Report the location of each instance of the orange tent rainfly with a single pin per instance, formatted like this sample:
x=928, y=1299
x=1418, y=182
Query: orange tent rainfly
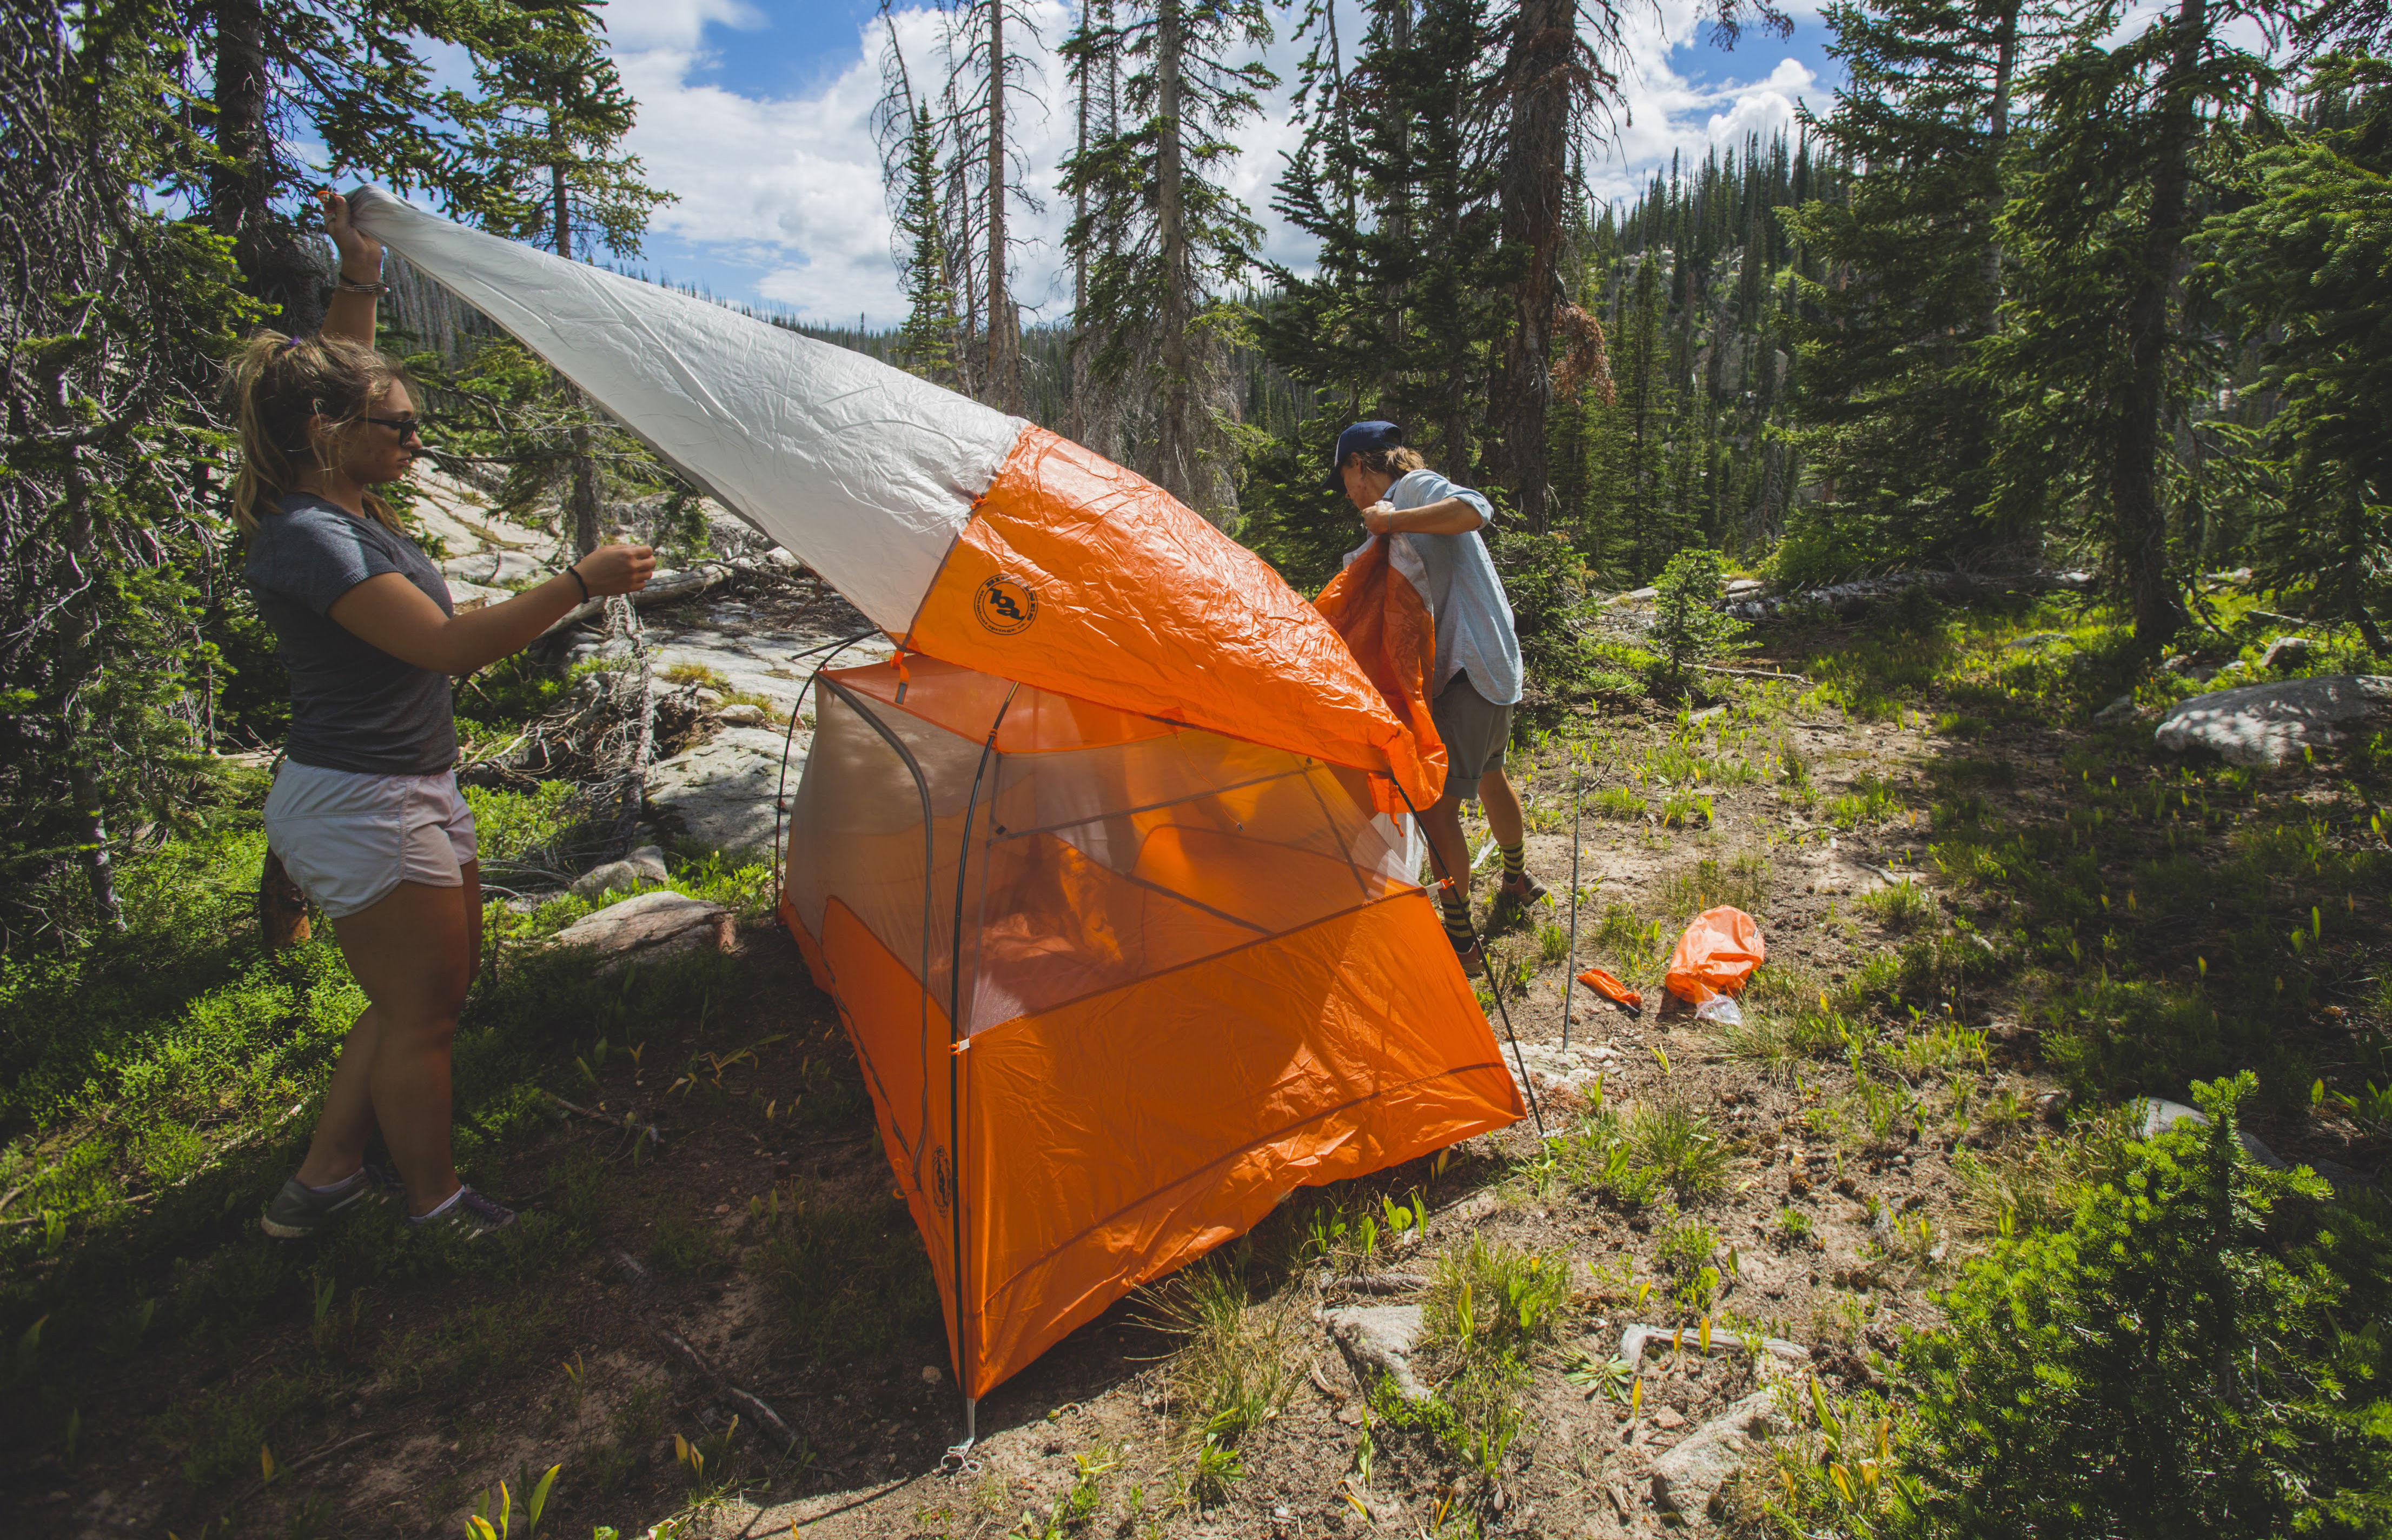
x=1102, y=874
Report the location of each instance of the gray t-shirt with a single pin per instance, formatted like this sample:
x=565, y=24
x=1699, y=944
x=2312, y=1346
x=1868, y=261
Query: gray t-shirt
x=353, y=705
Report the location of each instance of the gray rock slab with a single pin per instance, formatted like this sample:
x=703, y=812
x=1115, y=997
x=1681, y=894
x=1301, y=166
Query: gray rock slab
x=1688, y=1478
x=496, y=566
x=1379, y=1342
x=763, y=664
x=651, y=925
x=741, y=714
x=2266, y=724
x=722, y=792
x=642, y=867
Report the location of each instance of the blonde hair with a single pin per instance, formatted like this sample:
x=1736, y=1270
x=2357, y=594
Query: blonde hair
x=1397, y=462
x=298, y=400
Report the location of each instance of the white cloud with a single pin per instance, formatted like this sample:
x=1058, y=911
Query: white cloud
x=788, y=188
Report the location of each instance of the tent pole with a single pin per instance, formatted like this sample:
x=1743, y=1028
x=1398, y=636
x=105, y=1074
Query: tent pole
x=1569, y=967
x=958, y=1041
x=1495, y=985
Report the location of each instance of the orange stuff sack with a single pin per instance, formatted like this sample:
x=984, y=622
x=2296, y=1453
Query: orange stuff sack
x=1716, y=956
x=1611, y=989
x=1387, y=627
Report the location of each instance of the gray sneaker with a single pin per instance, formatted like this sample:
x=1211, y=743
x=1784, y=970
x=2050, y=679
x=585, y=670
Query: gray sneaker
x=469, y=1216
x=298, y=1209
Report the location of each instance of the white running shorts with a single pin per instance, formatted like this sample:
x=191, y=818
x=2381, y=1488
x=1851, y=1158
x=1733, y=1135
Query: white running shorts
x=348, y=838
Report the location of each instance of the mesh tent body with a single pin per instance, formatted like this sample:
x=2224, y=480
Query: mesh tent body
x=1118, y=986
x=1109, y=875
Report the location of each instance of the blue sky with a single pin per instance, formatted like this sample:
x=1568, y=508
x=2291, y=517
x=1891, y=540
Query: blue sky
x=755, y=112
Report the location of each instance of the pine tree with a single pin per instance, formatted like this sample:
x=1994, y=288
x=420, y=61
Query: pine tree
x=2303, y=267
x=1903, y=430
x=112, y=320
x=353, y=76
x=1160, y=236
x=987, y=66
x=1560, y=63
x=926, y=341
x=921, y=238
x=2101, y=354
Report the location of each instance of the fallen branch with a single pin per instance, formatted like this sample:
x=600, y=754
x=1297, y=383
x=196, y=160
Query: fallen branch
x=665, y=588
x=576, y=1106
x=1750, y=673
x=789, y=1440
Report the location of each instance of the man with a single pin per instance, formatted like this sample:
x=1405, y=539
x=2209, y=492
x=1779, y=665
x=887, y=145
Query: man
x=1476, y=681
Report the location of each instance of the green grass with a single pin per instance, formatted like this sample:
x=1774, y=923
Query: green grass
x=1741, y=881
x=1900, y=907
x=854, y=1281
x=1657, y=1147
x=1618, y=802
x=1230, y=1371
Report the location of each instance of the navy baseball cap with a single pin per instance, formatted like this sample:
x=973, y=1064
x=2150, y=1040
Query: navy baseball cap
x=1357, y=439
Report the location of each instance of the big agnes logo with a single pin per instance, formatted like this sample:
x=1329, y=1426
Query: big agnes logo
x=1004, y=606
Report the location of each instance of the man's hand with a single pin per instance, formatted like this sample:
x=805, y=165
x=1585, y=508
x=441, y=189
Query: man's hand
x=1380, y=517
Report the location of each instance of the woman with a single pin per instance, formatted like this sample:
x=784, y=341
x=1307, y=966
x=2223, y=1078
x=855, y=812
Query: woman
x=365, y=813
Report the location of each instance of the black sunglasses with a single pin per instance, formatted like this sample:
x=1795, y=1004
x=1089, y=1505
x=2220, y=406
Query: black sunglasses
x=402, y=426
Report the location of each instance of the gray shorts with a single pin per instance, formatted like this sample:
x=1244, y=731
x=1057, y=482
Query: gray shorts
x=348, y=838
x=1476, y=732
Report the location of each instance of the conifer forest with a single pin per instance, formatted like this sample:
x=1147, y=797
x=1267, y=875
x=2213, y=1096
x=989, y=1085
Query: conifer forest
x=1953, y=527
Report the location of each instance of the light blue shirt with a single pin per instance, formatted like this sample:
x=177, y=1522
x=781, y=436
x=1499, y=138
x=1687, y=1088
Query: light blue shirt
x=1457, y=578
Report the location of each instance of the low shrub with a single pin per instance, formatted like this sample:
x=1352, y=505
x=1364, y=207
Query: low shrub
x=2199, y=1351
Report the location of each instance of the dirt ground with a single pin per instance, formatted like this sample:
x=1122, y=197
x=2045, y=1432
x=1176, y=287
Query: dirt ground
x=627, y=1362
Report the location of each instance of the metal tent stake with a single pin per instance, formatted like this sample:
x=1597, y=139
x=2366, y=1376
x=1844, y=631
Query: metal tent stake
x=1570, y=964
x=1495, y=985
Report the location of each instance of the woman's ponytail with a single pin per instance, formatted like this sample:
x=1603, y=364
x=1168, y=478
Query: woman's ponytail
x=295, y=400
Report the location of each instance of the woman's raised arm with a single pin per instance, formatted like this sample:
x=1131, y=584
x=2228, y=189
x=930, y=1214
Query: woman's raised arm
x=351, y=314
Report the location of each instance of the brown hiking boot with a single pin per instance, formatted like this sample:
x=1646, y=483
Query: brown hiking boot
x=1522, y=891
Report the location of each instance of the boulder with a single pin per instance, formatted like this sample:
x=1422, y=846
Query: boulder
x=647, y=927
x=722, y=792
x=2117, y=710
x=2159, y=1116
x=642, y=868
x=742, y=714
x=2287, y=651
x=2266, y=724
x=1687, y=1479
x=1378, y=1343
